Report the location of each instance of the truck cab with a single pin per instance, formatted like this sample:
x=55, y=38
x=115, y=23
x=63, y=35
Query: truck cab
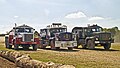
x=92, y=36
x=22, y=36
x=56, y=36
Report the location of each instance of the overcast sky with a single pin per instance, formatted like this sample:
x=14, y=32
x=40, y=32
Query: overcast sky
x=40, y=13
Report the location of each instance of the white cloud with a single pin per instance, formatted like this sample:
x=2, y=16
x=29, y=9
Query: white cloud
x=76, y=15
x=16, y=16
x=95, y=18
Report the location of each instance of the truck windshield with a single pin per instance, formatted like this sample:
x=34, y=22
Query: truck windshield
x=96, y=29
x=26, y=30
x=57, y=30
x=65, y=36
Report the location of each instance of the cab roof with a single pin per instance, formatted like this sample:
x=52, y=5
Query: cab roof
x=93, y=26
x=23, y=26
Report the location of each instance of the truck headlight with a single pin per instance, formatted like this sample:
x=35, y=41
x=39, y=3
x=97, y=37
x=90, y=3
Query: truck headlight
x=32, y=39
x=97, y=39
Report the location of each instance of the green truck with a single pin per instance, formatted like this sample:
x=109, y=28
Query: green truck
x=91, y=36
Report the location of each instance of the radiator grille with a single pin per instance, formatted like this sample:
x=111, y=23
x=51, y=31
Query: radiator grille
x=105, y=36
x=28, y=37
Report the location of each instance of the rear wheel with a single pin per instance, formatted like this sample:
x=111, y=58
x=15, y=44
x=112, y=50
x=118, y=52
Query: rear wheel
x=70, y=48
x=57, y=48
x=7, y=43
x=107, y=46
x=35, y=47
x=84, y=46
x=78, y=44
x=52, y=44
x=9, y=46
x=91, y=44
x=16, y=46
x=42, y=45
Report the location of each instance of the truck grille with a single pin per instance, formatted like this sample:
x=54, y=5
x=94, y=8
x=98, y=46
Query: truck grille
x=28, y=37
x=105, y=36
x=66, y=37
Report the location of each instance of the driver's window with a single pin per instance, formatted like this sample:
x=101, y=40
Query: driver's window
x=27, y=30
x=94, y=30
x=43, y=33
x=32, y=30
x=16, y=30
x=20, y=30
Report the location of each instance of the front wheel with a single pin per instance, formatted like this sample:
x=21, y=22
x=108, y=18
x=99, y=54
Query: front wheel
x=107, y=46
x=91, y=44
x=42, y=45
x=8, y=46
x=35, y=47
x=16, y=47
x=52, y=44
x=78, y=44
x=70, y=48
x=76, y=47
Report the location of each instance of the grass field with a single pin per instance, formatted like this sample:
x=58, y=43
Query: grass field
x=80, y=58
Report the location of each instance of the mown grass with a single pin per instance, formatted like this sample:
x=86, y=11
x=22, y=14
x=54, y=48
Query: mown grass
x=80, y=58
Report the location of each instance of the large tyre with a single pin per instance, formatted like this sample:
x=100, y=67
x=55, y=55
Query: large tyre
x=42, y=46
x=76, y=47
x=7, y=43
x=84, y=46
x=70, y=48
x=91, y=44
x=107, y=46
x=9, y=46
x=52, y=44
x=57, y=48
x=78, y=44
x=35, y=47
x=16, y=47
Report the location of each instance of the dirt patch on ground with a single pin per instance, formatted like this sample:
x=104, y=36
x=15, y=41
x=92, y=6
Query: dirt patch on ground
x=6, y=64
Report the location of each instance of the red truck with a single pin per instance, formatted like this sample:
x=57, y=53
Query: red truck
x=23, y=36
